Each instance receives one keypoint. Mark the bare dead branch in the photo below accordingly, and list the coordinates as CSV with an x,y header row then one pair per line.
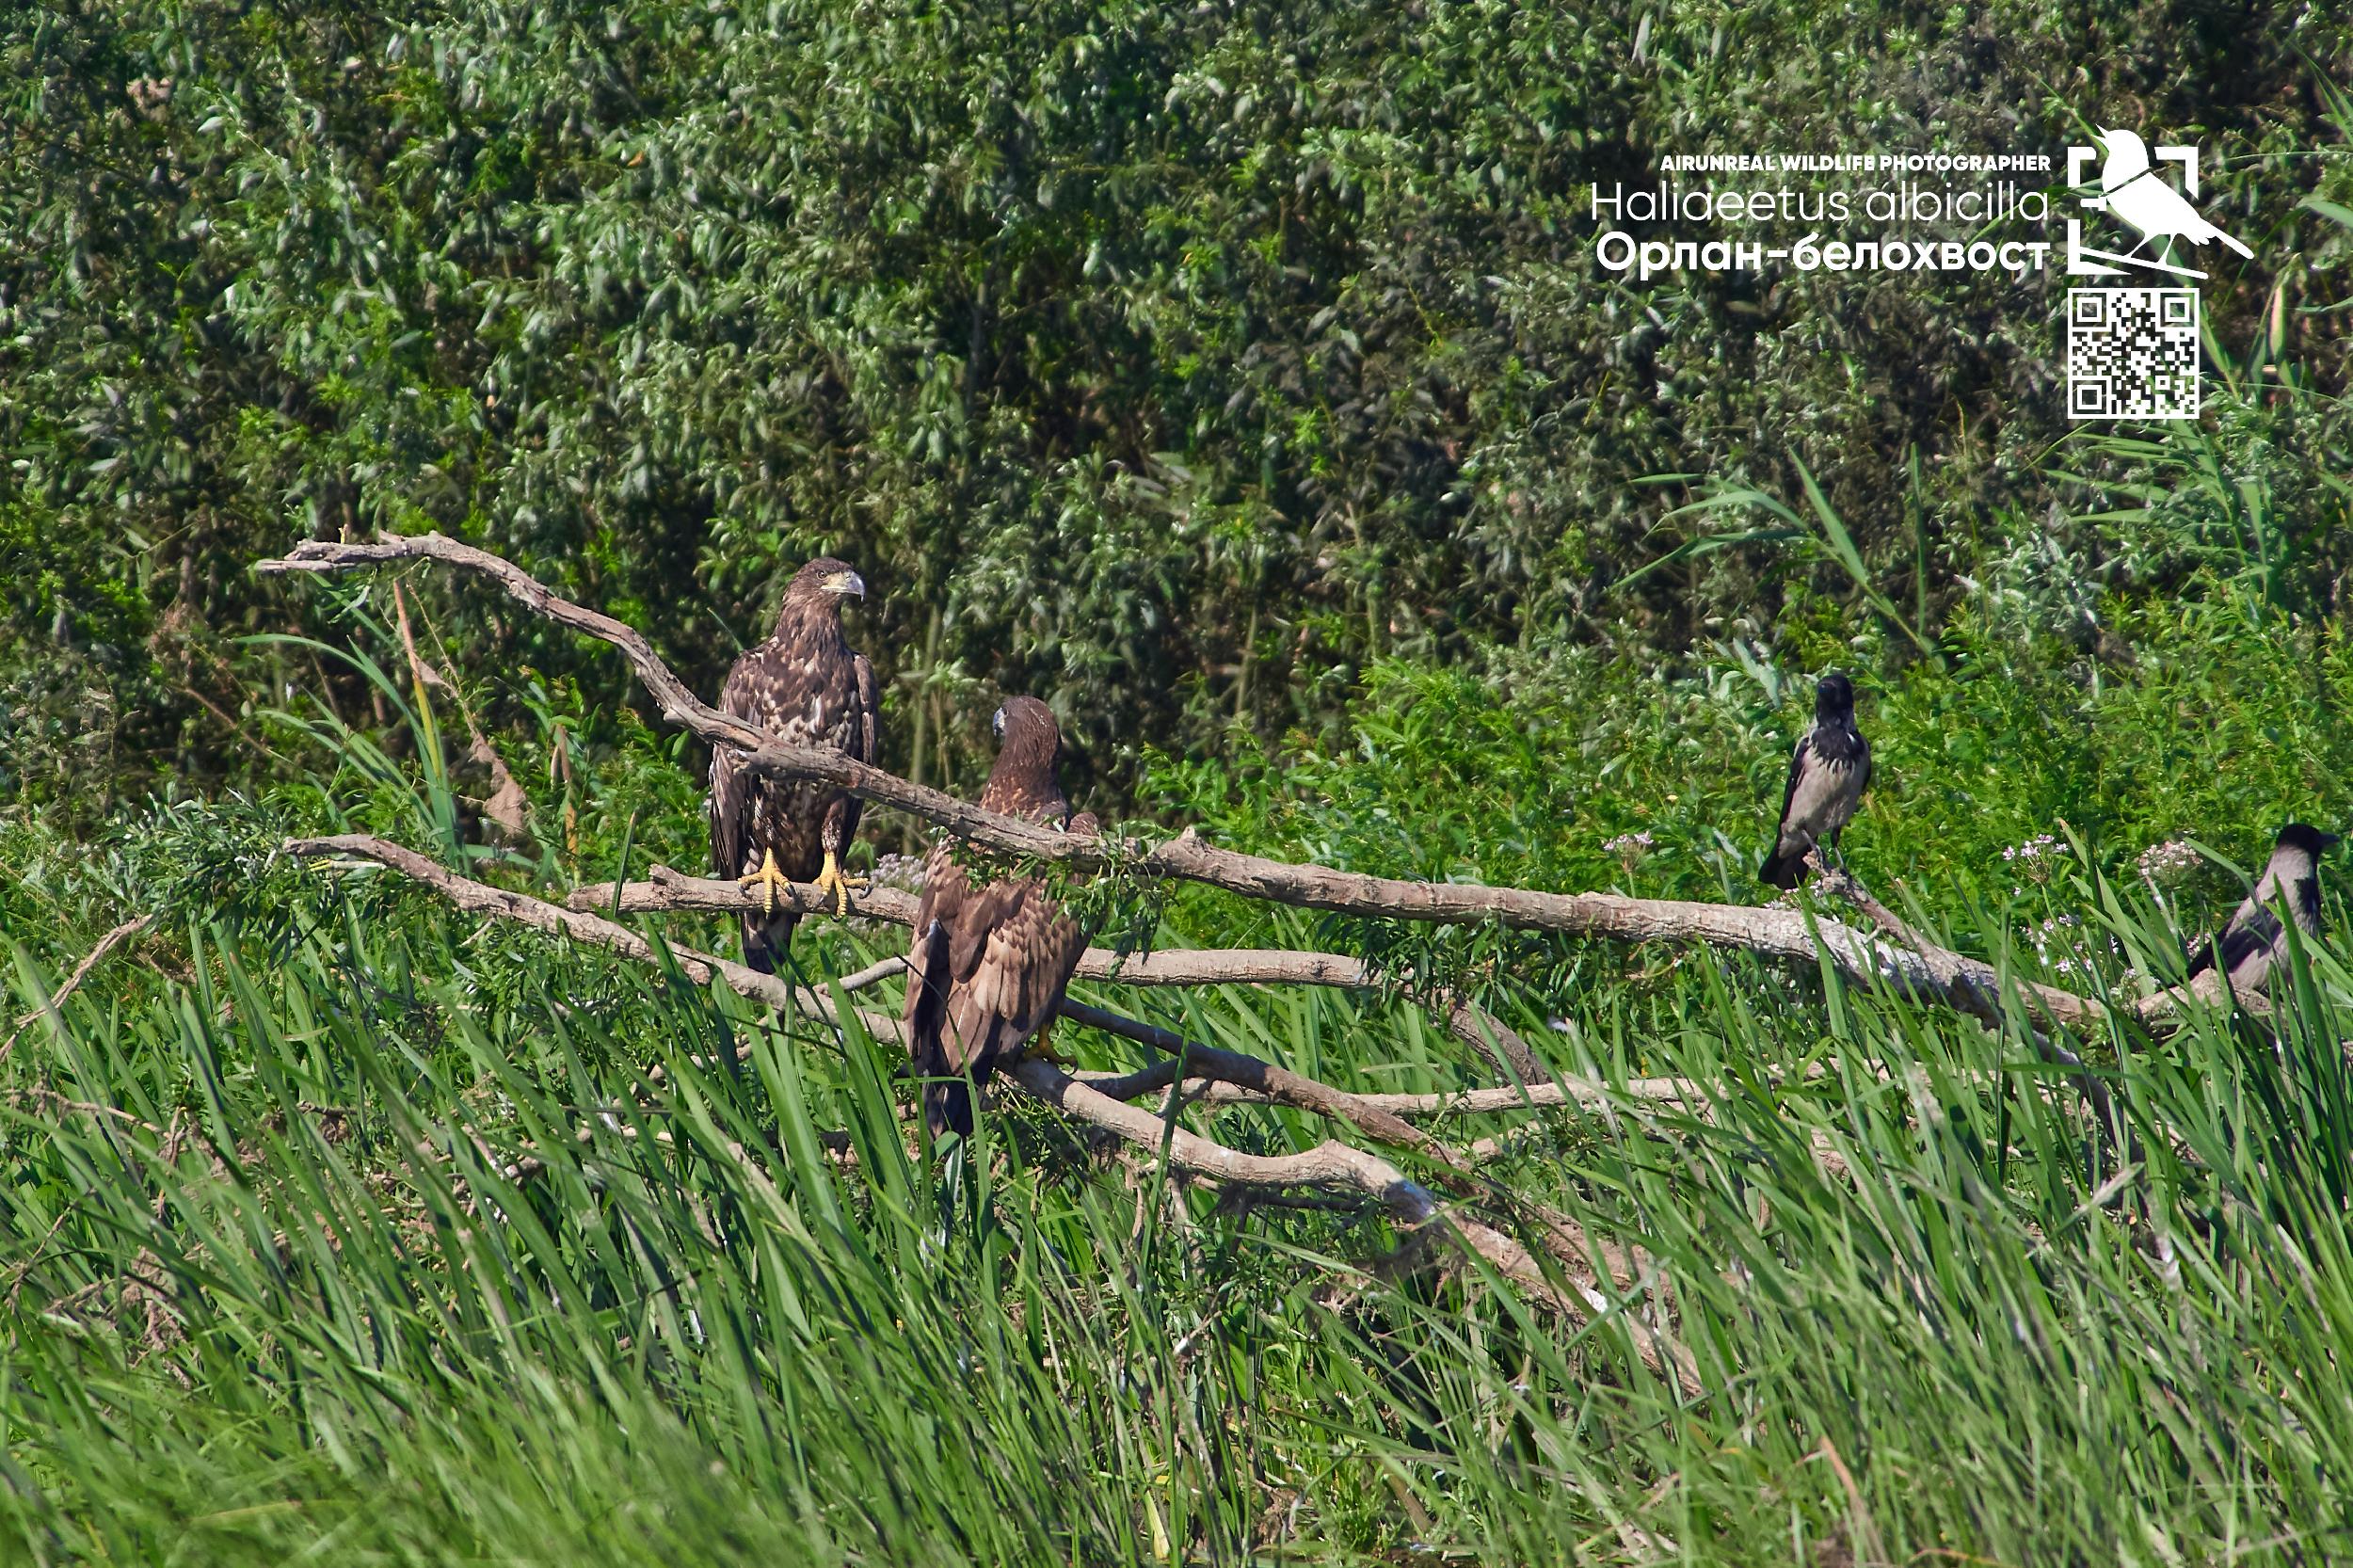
x,y
1335,1166
1788,934
1492,1038
1264,1082
1267,1084
1975,989
668,890
874,973
1567,1242
481,898
1552,1094
501,902
2205,986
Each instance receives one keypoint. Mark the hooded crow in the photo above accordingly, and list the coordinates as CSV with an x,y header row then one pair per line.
x,y
2252,939
1828,774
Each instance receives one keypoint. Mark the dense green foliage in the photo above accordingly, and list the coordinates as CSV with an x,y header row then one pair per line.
x,y
1171,362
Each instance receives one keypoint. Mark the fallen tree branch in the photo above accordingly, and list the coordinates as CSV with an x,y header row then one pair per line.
x,y
1789,933
1330,1163
666,890
1457,1102
501,902
481,898
1492,1039
1980,993
1275,1085
2206,986
1333,1165
1270,1085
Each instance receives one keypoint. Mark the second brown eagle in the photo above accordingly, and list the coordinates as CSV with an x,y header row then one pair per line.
x,y
991,960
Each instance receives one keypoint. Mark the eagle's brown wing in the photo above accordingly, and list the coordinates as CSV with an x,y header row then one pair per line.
x,y
865,744
930,974
987,969
730,780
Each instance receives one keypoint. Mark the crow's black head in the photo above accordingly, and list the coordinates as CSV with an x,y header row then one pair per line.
x,y
1834,696
2311,840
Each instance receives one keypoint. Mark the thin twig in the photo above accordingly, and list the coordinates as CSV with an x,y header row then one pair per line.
x,y
106,944
881,969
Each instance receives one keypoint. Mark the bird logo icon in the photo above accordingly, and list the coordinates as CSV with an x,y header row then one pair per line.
x,y
2131,188
2132,192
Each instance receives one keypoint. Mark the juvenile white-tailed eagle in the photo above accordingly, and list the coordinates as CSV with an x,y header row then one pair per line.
x,y
990,963
805,687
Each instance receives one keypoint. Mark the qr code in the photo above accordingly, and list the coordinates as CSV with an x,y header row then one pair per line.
x,y
2132,353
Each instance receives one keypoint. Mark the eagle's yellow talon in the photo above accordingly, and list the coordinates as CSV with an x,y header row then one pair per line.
x,y
1042,1049
831,877
767,879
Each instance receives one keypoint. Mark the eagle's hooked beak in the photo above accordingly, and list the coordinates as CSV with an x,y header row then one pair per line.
x,y
997,724
846,585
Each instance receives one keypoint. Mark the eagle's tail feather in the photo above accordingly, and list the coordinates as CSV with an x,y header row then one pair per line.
x,y
948,1107
765,942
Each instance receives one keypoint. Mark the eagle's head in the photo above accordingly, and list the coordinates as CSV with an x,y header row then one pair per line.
x,y
1028,741
1026,724
826,581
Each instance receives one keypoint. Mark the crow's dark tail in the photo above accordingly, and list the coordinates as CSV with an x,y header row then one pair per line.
x,y
948,1107
1785,869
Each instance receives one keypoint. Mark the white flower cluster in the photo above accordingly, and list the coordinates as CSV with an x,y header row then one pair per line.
x,y
2167,862
2057,944
2035,858
1629,847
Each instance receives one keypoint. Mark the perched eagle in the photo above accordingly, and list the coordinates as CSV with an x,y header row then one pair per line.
x,y
989,964
2252,941
805,687
1828,772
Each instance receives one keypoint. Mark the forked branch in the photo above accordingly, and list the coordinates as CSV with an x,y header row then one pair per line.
x,y
1334,1165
